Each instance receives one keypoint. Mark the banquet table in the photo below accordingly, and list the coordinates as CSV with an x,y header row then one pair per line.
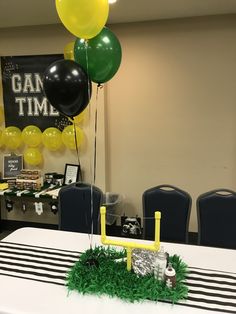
x,y
34,263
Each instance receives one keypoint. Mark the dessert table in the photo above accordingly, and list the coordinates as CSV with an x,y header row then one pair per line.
x,y
34,263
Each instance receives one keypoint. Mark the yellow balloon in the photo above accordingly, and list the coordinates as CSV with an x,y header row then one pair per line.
x,y
81,116
69,51
1,115
32,136
12,137
33,156
52,139
83,18
1,138
68,136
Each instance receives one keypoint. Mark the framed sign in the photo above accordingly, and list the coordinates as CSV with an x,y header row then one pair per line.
x,y
12,166
23,96
71,173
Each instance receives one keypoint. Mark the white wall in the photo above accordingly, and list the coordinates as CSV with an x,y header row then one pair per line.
x,y
171,108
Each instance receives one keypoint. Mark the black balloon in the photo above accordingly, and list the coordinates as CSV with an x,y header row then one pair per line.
x,y
67,87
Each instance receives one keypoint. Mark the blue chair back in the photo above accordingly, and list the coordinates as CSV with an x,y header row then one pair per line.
x,y
174,205
216,211
76,211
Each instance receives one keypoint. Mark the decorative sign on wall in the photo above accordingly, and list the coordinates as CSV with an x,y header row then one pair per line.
x,y
23,96
72,173
12,166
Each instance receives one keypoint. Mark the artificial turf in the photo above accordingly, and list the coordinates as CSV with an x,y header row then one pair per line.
x,y
97,272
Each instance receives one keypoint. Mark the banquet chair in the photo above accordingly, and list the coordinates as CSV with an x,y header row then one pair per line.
x,y
77,210
174,205
216,213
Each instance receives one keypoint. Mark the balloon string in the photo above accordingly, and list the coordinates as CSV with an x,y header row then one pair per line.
x,y
77,150
119,216
95,140
91,183
108,214
95,147
99,86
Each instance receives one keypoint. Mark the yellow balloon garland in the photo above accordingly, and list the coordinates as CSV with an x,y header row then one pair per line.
x,y
32,156
12,137
52,139
32,136
81,116
1,138
68,136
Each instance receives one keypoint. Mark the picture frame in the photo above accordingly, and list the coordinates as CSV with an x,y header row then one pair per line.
x,y
12,166
71,173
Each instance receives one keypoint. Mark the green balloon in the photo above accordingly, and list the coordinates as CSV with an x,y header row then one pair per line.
x,y
100,56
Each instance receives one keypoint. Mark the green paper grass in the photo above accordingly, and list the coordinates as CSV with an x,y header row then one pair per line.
x,y
108,277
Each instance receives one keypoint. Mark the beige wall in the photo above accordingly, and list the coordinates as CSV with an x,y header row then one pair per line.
x,y
49,40
171,108
169,111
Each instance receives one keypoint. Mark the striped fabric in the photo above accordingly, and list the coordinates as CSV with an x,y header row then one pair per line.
x,y
211,290
36,263
208,289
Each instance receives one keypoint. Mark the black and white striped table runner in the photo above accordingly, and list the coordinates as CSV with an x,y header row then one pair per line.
x,y
211,290
208,289
36,263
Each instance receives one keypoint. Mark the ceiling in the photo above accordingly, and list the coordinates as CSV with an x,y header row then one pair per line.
x,y
40,12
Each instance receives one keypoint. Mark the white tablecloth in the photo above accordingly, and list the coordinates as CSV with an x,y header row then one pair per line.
x,y
24,296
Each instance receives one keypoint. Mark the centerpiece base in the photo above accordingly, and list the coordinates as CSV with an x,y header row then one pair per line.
x,y
107,275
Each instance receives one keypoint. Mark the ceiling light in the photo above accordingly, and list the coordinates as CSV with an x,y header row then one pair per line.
x,y
112,1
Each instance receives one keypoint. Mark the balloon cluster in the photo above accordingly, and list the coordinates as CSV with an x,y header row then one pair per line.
x,y
94,56
53,139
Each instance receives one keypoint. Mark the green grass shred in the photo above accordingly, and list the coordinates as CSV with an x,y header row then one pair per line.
x,y
107,277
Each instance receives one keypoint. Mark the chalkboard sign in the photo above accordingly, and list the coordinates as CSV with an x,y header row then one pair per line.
x,y
12,165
